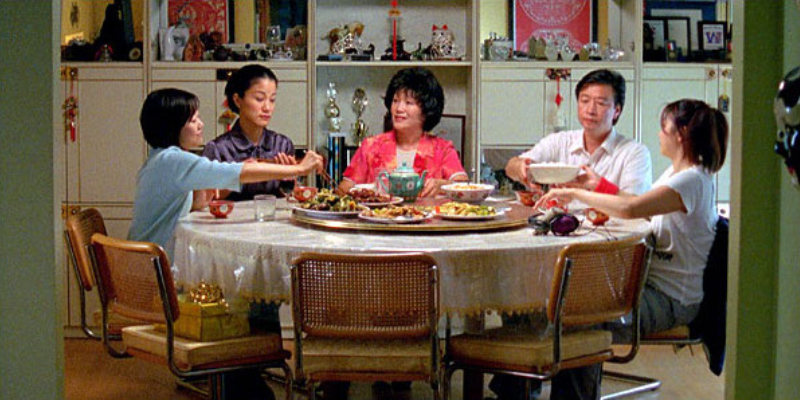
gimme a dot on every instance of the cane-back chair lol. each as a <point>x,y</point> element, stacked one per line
<point>707,329</point>
<point>135,280</point>
<point>78,231</point>
<point>366,318</point>
<point>592,283</point>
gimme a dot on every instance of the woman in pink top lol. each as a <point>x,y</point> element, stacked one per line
<point>415,101</point>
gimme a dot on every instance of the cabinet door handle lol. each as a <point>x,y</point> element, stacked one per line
<point>712,73</point>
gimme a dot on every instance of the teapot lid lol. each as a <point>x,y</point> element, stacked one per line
<point>404,170</point>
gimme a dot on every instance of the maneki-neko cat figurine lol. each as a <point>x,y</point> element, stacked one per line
<point>443,46</point>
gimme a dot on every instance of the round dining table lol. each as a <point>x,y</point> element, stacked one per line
<point>507,271</point>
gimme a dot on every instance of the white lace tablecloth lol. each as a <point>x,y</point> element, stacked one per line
<point>505,271</point>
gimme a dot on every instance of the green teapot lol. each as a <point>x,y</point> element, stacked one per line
<point>403,182</point>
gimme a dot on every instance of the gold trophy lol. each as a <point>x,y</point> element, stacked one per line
<point>360,128</point>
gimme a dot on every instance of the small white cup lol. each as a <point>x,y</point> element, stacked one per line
<point>264,205</point>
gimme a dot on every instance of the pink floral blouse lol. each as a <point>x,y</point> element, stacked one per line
<point>379,153</point>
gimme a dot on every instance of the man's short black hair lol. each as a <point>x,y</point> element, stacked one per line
<point>605,77</point>
<point>243,78</point>
<point>164,113</point>
<point>423,86</point>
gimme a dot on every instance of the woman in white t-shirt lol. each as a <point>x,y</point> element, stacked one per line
<point>682,211</point>
<point>682,218</point>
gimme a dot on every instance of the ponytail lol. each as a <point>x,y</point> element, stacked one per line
<point>704,131</point>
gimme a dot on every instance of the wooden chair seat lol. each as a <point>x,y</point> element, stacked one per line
<point>508,348</point>
<point>366,317</point>
<point>411,356</point>
<point>190,354</point>
<point>592,283</point>
<point>130,276</point>
<point>675,334</point>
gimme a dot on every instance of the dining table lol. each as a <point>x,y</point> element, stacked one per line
<point>502,270</point>
<point>507,269</point>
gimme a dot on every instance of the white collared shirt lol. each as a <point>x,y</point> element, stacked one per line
<point>622,161</point>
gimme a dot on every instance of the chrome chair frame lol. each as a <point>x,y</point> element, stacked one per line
<point>214,375</point>
<point>556,366</point>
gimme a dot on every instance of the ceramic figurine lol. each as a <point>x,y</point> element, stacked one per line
<point>345,39</point>
<point>443,46</point>
<point>194,49</point>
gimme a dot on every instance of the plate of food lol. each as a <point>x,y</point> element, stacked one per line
<point>468,192</point>
<point>469,212</point>
<point>327,205</point>
<point>395,215</point>
<point>370,198</point>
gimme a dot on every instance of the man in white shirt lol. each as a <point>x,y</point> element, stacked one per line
<point>612,162</point>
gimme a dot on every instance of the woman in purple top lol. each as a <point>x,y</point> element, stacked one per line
<point>251,92</point>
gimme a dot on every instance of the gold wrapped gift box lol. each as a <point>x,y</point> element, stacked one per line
<point>208,322</point>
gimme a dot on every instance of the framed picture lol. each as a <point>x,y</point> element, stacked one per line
<point>679,30</point>
<point>452,127</point>
<point>695,10</point>
<point>202,16</point>
<point>658,28</point>
<point>571,19</point>
<point>712,35</point>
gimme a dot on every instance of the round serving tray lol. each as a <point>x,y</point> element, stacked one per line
<point>516,216</point>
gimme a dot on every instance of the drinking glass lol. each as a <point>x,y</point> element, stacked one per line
<point>264,205</point>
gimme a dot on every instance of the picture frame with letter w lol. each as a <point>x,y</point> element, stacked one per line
<point>712,38</point>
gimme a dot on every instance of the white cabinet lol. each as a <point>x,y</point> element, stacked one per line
<point>207,81</point>
<point>512,106</point>
<point>665,83</point>
<point>108,148</point>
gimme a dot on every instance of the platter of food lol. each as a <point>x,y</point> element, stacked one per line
<point>327,205</point>
<point>512,216</point>
<point>368,197</point>
<point>396,215</point>
<point>467,212</point>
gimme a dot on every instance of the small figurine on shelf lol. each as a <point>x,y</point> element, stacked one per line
<point>296,41</point>
<point>360,128</point>
<point>345,39</point>
<point>443,46</point>
<point>194,49</point>
<point>104,54</point>
<point>402,54</point>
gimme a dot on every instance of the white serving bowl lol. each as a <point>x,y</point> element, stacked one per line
<point>552,173</point>
<point>468,192</point>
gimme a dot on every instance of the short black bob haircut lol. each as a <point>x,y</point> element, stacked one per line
<point>423,86</point>
<point>243,78</point>
<point>605,77</point>
<point>164,113</point>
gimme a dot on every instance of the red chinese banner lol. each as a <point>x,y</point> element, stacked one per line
<point>201,15</point>
<point>572,18</point>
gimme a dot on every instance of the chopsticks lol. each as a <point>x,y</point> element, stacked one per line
<point>323,174</point>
